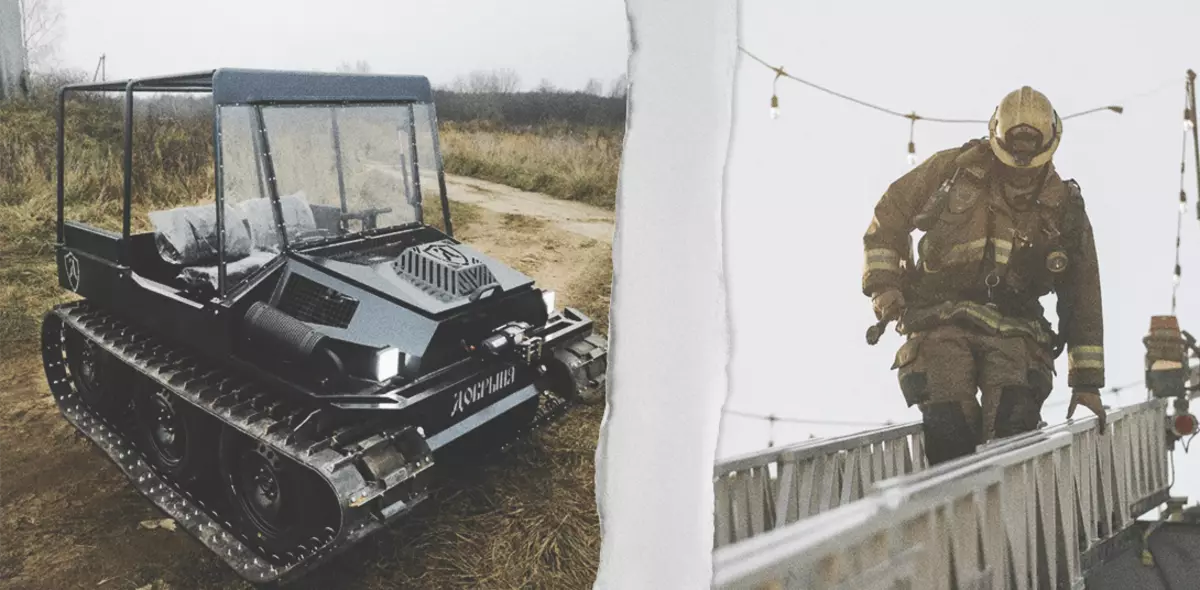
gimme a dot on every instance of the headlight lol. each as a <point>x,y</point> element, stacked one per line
<point>387,363</point>
<point>548,297</point>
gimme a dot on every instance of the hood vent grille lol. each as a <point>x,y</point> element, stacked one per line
<point>442,270</point>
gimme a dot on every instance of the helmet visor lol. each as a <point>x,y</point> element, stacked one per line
<point>1024,143</point>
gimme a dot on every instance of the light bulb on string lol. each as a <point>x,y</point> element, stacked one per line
<point>775,92</point>
<point>1189,120</point>
<point>1178,273</point>
<point>912,147</point>
<point>1182,202</point>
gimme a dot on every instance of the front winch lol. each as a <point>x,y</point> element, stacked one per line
<point>515,336</point>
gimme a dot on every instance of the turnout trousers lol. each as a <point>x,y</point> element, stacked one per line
<point>972,386</point>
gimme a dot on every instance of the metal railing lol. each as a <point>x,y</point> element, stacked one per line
<point>1026,513</point>
<point>765,490</point>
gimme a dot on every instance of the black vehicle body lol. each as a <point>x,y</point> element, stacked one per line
<point>349,362</point>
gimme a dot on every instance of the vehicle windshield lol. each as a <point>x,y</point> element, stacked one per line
<point>338,169</point>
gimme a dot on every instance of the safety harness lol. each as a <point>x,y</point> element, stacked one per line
<point>987,315</point>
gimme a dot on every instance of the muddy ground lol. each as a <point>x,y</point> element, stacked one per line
<point>70,520</point>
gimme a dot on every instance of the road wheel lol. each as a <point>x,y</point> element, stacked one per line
<point>276,501</point>
<point>176,437</point>
<point>101,380</point>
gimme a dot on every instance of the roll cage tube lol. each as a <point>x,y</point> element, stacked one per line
<point>441,169</point>
<point>240,87</point>
<point>415,198</point>
<point>182,83</point>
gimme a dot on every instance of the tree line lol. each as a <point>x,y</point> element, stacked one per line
<point>495,96</point>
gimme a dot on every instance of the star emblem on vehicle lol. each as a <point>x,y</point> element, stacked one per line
<point>447,254</point>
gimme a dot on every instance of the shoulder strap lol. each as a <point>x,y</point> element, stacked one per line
<point>963,160</point>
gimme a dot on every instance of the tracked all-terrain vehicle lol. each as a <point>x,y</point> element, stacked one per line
<point>281,366</point>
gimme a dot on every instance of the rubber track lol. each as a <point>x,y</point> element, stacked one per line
<point>236,402</point>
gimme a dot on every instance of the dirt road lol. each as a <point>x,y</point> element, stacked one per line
<point>571,216</point>
<point>69,520</point>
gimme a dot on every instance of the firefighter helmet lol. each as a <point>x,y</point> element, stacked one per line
<point>1025,129</point>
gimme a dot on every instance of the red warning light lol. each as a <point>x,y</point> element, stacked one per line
<point>1185,424</point>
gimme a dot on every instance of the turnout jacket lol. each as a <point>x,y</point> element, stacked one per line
<point>986,258</point>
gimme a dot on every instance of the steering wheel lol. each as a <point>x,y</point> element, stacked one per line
<point>368,217</point>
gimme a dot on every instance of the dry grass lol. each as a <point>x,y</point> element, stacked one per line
<point>523,223</point>
<point>462,215</point>
<point>594,290</point>
<point>571,163</point>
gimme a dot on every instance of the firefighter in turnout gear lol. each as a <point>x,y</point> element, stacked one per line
<point>1002,229</point>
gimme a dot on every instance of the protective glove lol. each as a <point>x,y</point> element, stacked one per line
<point>1090,399</point>
<point>888,304</point>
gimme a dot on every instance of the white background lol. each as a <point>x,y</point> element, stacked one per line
<point>801,188</point>
<point>668,336</point>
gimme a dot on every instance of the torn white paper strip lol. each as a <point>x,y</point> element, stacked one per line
<point>667,377</point>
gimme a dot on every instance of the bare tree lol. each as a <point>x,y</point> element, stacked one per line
<point>620,87</point>
<point>360,67</point>
<point>593,87</point>
<point>41,22</point>
<point>480,81</point>
<point>504,81</point>
<point>507,81</point>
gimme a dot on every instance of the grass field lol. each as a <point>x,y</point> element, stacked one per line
<point>566,162</point>
<point>528,521</point>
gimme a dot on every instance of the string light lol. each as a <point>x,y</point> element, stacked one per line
<point>773,418</point>
<point>912,147</point>
<point>774,92</point>
<point>913,117</point>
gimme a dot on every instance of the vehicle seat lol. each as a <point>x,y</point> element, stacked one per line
<point>260,219</point>
<point>205,277</point>
<point>187,237</point>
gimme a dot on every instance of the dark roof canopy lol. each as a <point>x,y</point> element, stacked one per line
<point>235,85</point>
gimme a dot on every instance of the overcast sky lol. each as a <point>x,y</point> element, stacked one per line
<point>801,188</point>
<point>565,41</point>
